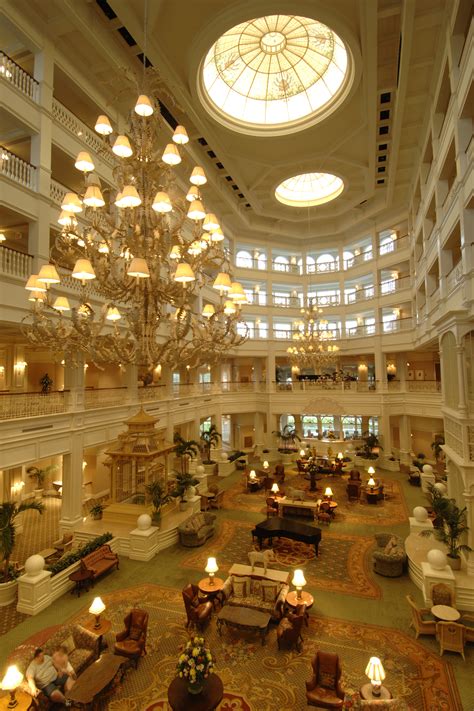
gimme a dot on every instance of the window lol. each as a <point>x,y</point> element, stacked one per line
<point>325,263</point>
<point>387,244</point>
<point>388,286</point>
<point>288,421</point>
<point>205,377</point>
<point>246,328</point>
<point>243,259</point>
<point>369,324</point>
<point>368,253</point>
<point>281,264</point>
<point>327,424</point>
<point>261,261</point>
<point>390,323</point>
<point>374,425</point>
<point>351,425</point>
<point>282,330</point>
<point>310,425</point>
<point>350,295</point>
<point>348,259</point>
<point>226,428</point>
<point>175,378</point>
<point>327,297</point>
<point>205,426</point>
<point>351,326</point>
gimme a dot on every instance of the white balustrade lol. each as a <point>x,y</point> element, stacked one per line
<point>21,80</point>
<point>423,386</point>
<point>17,169</point>
<point>454,278</point>
<point>102,397</point>
<point>57,191</point>
<point>74,125</point>
<point>14,405</point>
<point>13,263</point>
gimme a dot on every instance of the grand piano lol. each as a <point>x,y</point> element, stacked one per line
<point>278,527</point>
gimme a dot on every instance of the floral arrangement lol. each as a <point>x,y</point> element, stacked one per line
<point>195,663</point>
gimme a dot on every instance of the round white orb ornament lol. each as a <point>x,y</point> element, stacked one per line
<point>224,456</point>
<point>442,488</point>
<point>420,514</point>
<point>437,559</point>
<point>34,565</point>
<point>427,469</point>
<point>200,469</point>
<point>144,522</point>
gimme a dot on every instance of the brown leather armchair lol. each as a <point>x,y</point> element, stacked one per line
<point>131,642</point>
<point>198,608</point>
<point>289,629</point>
<point>353,490</point>
<point>280,473</point>
<point>324,689</point>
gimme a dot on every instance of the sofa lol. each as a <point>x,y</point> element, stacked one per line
<point>257,593</point>
<point>196,530</point>
<point>100,561</point>
<point>389,557</point>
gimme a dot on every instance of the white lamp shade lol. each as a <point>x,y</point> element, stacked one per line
<point>210,222</point>
<point>94,197</point>
<point>71,203</point>
<point>371,471</point>
<point>130,197</point>
<point>222,282</point>
<point>2,237</point>
<point>122,147</point>
<point>118,199</point>
<point>143,107</point>
<point>12,679</point>
<point>371,482</point>
<point>193,193</point>
<point>328,491</point>
<point>67,219</point>
<point>229,308</point>
<point>171,155</point>
<point>83,270</point>
<point>162,202</point>
<point>375,670</point>
<point>61,304</point>
<point>198,176</point>
<point>340,455</point>
<point>175,252</point>
<point>103,126</point>
<point>253,474</point>
<point>299,580</point>
<point>34,285</point>
<point>84,162</point>
<point>217,235</point>
<point>237,293</point>
<point>184,273</point>
<point>211,566</point>
<point>103,248</point>
<point>97,606</point>
<point>138,268</point>
<point>266,464</point>
<point>180,136</point>
<point>196,210</point>
<point>275,488</point>
<point>48,274</point>
<point>113,314</point>
<point>195,248</point>
<point>208,311</point>
<point>37,296</point>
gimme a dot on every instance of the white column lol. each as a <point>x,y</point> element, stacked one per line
<point>71,503</point>
<point>462,409</point>
<point>405,439</point>
<point>74,382</point>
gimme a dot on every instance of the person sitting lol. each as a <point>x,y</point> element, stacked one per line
<point>42,675</point>
<point>63,665</point>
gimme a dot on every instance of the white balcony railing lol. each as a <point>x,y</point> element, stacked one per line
<point>17,169</point>
<point>319,385</point>
<point>103,397</point>
<point>13,263</point>
<point>423,386</point>
<point>10,71</point>
<point>454,278</point>
<point>78,128</point>
<point>15,405</point>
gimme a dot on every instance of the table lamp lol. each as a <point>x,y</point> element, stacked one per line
<point>302,452</point>
<point>340,456</point>
<point>376,674</point>
<point>96,609</point>
<point>275,489</point>
<point>252,475</point>
<point>299,581</point>
<point>371,471</point>
<point>10,682</point>
<point>265,464</point>
<point>371,483</point>
<point>328,493</point>
<point>211,569</point>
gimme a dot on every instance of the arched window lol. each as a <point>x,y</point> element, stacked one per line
<point>367,251</point>
<point>325,263</point>
<point>387,244</point>
<point>262,261</point>
<point>281,264</point>
<point>243,259</point>
<point>348,259</point>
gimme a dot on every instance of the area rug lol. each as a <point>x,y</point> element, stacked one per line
<point>263,677</point>
<point>343,564</point>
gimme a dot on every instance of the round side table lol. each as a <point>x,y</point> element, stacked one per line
<point>211,590</point>
<point>306,599</point>
<point>367,695</point>
<point>24,701</point>
<point>446,613</point>
<point>82,580</point>
<point>180,699</point>
<point>104,627</point>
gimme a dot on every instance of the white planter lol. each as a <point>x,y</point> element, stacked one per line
<point>391,466</point>
<point>210,469</point>
<point>8,592</point>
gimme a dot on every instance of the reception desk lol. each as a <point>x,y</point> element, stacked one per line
<point>336,445</point>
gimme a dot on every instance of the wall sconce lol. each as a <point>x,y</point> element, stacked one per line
<point>158,370</point>
<point>86,365</point>
<point>20,366</point>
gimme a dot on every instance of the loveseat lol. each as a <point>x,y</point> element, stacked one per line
<point>389,558</point>
<point>99,561</point>
<point>256,593</point>
<point>197,529</point>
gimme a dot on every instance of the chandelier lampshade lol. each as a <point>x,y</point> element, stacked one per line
<point>102,126</point>
<point>198,176</point>
<point>130,197</point>
<point>196,210</point>
<point>113,314</point>
<point>71,203</point>
<point>222,282</point>
<point>61,304</point>
<point>143,107</point>
<point>162,202</point>
<point>180,136</point>
<point>184,273</point>
<point>122,147</point>
<point>208,311</point>
<point>138,268</point>
<point>237,293</point>
<point>229,307</point>
<point>48,274</point>
<point>67,219</point>
<point>175,252</point>
<point>84,162</point>
<point>34,285</point>
<point>93,197</point>
<point>210,223</point>
<point>171,155</point>
<point>83,270</point>
<point>217,235</point>
<point>193,193</point>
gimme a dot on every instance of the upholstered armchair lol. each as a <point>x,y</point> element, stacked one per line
<point>131,642</point>
<point>324,513</point>
<point>354,475</point>
<point>198,608</point>
<point>324,689</point>
<point>420,625</point>
<point>272,506</point>
<point>217,500</point>
<point>289,629</point>
<point>389,558</point>
<point>280,473</point>
<point>353,490</point>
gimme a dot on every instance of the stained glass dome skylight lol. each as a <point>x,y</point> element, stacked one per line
<point>309,189</point>
<point>273,71</point>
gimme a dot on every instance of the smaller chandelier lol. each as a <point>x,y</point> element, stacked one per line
<point>314,343</point>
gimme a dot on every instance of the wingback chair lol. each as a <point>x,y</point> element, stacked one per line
<point>131,642</point>
<point>324,690</point>
<point>289,629</point>
<point>353,490</point>
<point>198,608</point>
<point>420,625</point>
<point>354,475</point>
<point>280,473</point>
<point>442,594</point>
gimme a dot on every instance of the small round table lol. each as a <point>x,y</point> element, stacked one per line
<point>211,590</point>
<point>100,631</point>
<point>24,701</point>
<point>180,699</point>
<point>446,613</point>
<point>306,599</point>
<point>83,579</point>
<point>372,495</point>
<point>367,695</point>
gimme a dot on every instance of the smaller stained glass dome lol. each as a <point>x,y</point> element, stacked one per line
<point>309,189</point>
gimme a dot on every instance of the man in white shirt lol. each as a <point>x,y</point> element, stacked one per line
<point>42,675</point>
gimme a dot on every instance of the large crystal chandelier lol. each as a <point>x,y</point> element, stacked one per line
<point>133,261</point>
<point>314,342</point>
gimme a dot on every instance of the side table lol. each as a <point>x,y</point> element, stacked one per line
<point>306,599</point>
<point>180,699</point>
<point>104,627</point>
<point>366,693</point>
<point>211,590</point>
<point>82,580</point>
<point>24,701</point>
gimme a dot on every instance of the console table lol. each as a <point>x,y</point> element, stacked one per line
<point>306,508</point>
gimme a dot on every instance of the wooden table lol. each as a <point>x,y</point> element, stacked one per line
<point>306,599</point>
<point>366,693</point>
<point>103,628</point>
<point>206,497</point>
<point>95,679</point>
<point>211,590</point>
<point>24,700</point>
<point>180,699</point>
<point>446,613</point>
<point>372,494</point>
<point>244,618</point>
<point>83,580</point>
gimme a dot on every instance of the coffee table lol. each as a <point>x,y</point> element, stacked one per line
<point>210,697</point>
<point>445,613</point>
<point>245,619</point>
<point>367,695</point>
<point>95,679</point>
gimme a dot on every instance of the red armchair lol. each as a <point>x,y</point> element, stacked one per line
<point>324,689</point>
<point>198,609</point>
<point>131,642</point>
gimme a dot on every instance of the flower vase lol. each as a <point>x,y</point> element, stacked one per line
<point>196,687</point>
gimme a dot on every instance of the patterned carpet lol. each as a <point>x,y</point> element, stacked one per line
<point>415,674</point>
<point>343,564</point>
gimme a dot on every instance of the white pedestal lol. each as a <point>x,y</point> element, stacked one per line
<point>201,488</point>
<point>143,544</point>
<point>193,504</point>
<point>34,593</point>
<point>417,526</point>
<point>431,576</point>
<point>425,480</point>
<point>225,468</point>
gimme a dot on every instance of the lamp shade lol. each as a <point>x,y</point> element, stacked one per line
<point>48,274</point>
<point>122,147</point>
<point>375,670</point>
<point>103,248</point>
<point>175,252</point>
<point>371,482</point>
<point>237,293</point>
<point>71,203</point>
<point>222,282</point>
<point>371,471</point>
<point>67,219</point>
<point>83,270</point>
<point>84,162</point>
<point>229,307</point>
<point>340,455</point>
<point>302,452</point>
<point>171,155</point>
<point>37,296</point>
<point>253,474</point>
<point>328,491</point>
<point>184,273</point>
<point>196,210</point>
<point>266,464</point>
<point>12,679</point>
<point>97,606</point>
<point>299,580</point>
<point>211,566</point>
<point>113,314</point>
<point>130,197</point>
<point>103,126</point>
<point>61,304</point>
<point>34,285</point>
<point>138,268</point>
<point>217,235</point>
<point>93,197</point>
<point>193,193</point>
<point>275,488</point>
<point>198,176</point>
<point>210,222</point>
<point>143,107</point>
<point>162,202</point>
<point>195,248</point>
<point>208,311</point>
<point>180,136</point>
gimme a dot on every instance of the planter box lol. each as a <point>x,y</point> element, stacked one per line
<point>210,469</point>
<point>225,468</point>
<point>8,592</point>
<point>390,466</point>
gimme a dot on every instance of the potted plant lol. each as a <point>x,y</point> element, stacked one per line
<point>158,496</point>
<point>288,439</point>
<point>9,510</point>
<point>40,475</point>
<point>437,447</point>
<point>419,461</point>
<point>210,438</point>
<point>46,384</point>
<point>195,663</point>
<point>371,447</point>
<point>96,511</point>
<point>453,527</point>
<point>185,449</point>
<point>437,504</point>
<point>184,488</point>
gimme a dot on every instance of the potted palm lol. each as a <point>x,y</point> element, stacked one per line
<point>288,439</point>
<point>40,475</point>
<point>453,527</point>
<point>96,511</point>
<point>210,438</point>
<point>185,449</point>
<point>184,488</point>
<point>9,510</point>
<point>158,496</point>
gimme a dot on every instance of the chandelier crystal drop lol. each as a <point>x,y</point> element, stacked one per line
<point>315,344</point>
<point>128,269</point>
